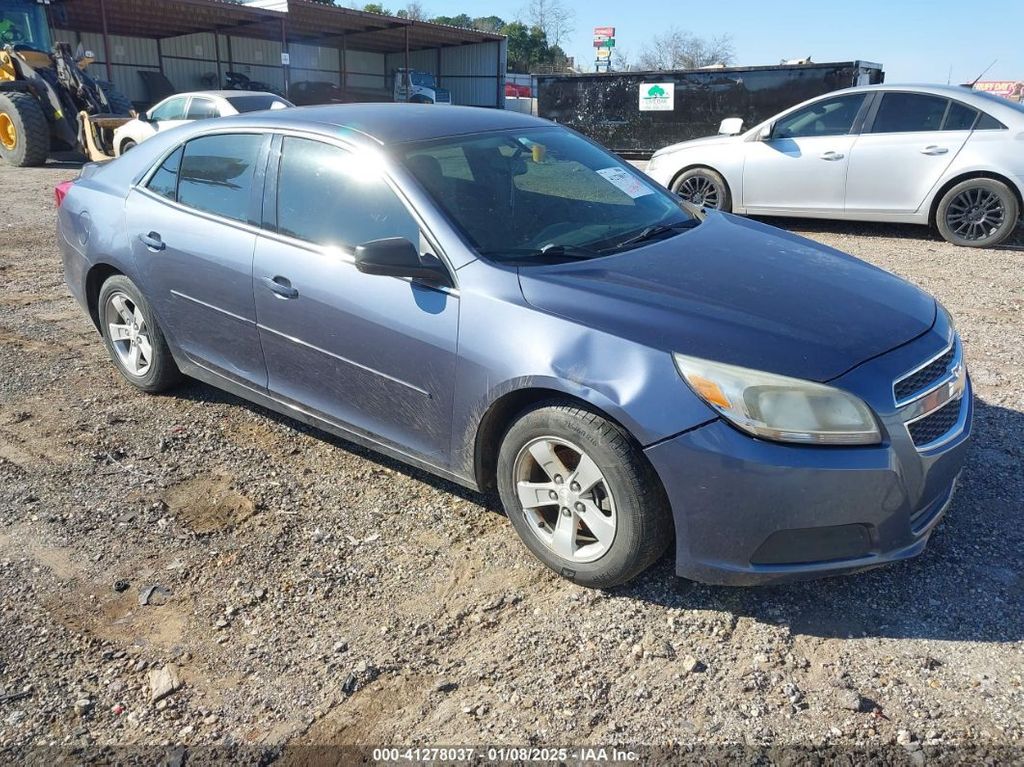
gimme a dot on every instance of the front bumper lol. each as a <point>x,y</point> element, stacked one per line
<point>749,511</point>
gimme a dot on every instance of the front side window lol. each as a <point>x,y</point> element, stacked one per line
<point>540,193</point>
<point>831,117</point>
<point>331,197</point>
<point>201,109</point>
<point>909,113</point>
<point>172,109</point>
<point>216,174</point>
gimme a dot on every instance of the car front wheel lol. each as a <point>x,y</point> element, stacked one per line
<point>703,187</point>
<point>582,496</point>
<point>977,213</point>
<point>133,338</point>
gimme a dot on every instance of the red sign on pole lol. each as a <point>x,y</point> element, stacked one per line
<point>604,31</point>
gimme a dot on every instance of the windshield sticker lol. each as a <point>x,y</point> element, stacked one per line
<point>626,182</point>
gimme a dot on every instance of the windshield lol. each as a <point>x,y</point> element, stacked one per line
<point>423,79</point>
<point>541,193</point>
<point>256,103</point>
<point>23,23</point>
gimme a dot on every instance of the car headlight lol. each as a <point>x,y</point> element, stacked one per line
<point>778,407</point>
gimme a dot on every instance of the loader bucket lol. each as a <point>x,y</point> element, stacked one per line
<point>95,132</point>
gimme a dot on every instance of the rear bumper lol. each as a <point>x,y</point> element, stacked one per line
<point>749,511</point>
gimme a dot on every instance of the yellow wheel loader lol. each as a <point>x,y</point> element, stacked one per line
<point>47,99</point>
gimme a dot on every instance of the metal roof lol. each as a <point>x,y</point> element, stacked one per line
<point>305,22</point>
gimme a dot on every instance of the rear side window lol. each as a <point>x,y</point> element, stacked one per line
<point>216,174</point>
<point>959,117</point>
<point>909,112</point>
<point>165,180</point>
<point>202,109</point>
<point>326,196</point>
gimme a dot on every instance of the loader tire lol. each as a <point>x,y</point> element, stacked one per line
<point>24,132</point>
<point>119,103</point>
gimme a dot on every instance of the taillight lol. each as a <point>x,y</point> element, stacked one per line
<point>61,191</point>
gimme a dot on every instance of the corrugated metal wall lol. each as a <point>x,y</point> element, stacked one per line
<point>191,63</point>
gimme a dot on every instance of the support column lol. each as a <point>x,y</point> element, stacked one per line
<point>106,41</point>
<point>344,65</point>
<point>286,68</point>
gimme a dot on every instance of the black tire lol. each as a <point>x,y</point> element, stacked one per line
<point>127,145</point>
<point>162,373</point>
<point>703,187</point>
<point>29,145</point>
<point>977,213</point>
<point>642,520</point>
<point>119,103</point>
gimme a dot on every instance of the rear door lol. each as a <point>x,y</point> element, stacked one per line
<point>193,234</point>
<point>801,166</point>
<point>907,144</point>
<point>374,353</point>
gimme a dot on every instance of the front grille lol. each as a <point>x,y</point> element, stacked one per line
<point>935,425</point>
<point>921,379</point>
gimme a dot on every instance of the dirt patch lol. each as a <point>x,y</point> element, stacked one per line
<point>209,504</point>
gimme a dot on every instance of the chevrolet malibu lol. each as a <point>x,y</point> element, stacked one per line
<point>500,302</point>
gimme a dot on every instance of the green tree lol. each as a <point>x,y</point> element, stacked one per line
<point>376,8</point>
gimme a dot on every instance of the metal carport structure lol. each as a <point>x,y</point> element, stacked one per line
<point>189,40</point>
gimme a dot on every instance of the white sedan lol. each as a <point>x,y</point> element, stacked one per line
<point>942,155</point>
<point>182,108</point>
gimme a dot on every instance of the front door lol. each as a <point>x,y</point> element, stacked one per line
<point>904,151</point>
<point>801,166</point>
<point>193,244</point>
<point>373,353</point>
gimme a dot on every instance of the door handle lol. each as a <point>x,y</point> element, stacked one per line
<point>933,149</point>
<point>152,241</point>
<point>833,156</point>
<point>281,286</point>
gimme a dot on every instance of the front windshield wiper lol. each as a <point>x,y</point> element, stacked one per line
<point>657,230</point>
<point>548,251</point>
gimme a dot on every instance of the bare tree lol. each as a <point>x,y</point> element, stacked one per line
<point>416,12</point>
<point>552,16</point>
<point>678,49</point>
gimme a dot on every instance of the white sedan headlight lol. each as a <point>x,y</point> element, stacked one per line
<point>778,407</point>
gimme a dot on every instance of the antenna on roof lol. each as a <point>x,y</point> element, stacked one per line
<point>975,80</point>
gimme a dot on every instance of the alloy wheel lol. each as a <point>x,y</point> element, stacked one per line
<point>975,214</point>
<point>700,190</point>
<point>566,499</point>
<point>128,333</point>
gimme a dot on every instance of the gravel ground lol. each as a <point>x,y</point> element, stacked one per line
<point>310,592</point>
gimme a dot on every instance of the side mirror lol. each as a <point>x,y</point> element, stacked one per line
<point>765,134</point>
<point>731,126</point>
<point>144,116</point>
<point>397,257</point>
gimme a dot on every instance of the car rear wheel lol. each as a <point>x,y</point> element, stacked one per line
<point>581,495</point>
<point>977,213</point>
<point>703,187</point>
<point>133,338</point>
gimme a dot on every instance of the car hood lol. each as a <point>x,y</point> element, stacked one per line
<point>700,142</point>
<point>741,292</point>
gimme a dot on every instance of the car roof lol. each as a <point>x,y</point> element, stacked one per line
<point>390,123</point>
<point>963,93</point>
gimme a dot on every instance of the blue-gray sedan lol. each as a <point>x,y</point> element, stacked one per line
<point>503,303</point>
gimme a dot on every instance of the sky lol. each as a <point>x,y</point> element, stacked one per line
<point>914,41</point>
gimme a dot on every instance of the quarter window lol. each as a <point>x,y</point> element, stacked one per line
<point>164,180</point>
<point>328,196</point>
<point>172,109</point>
<point>832,117</point>
<point>216,174</point>
<point>909,112</point>
<point>988,122</point>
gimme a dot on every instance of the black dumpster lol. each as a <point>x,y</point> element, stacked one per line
<point>607,107</point>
